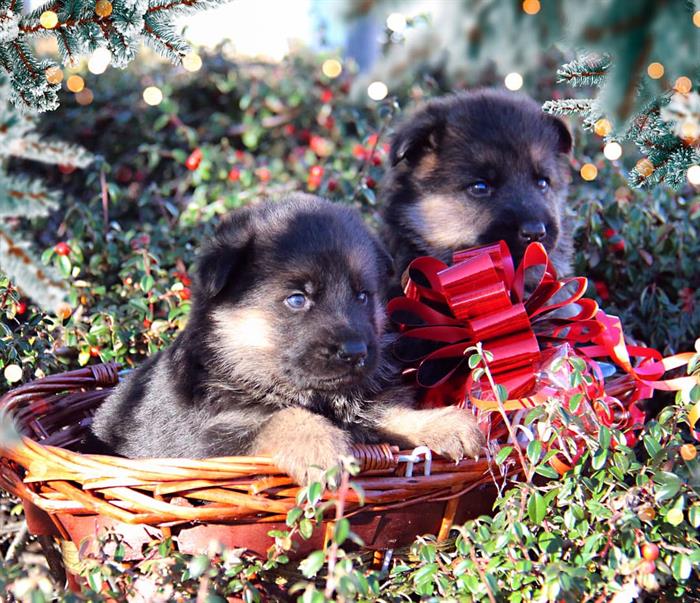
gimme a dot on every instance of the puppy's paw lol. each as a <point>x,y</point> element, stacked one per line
<point>303,444</point>
<point>450,431</point>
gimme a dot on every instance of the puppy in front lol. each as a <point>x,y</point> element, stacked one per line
<point>283,353</point>
<point>475,167</point>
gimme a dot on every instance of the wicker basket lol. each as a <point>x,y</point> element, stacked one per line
<point>234,500</point>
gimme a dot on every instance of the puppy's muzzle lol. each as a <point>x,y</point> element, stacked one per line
<point>353,352</point>
<point>532,232</point>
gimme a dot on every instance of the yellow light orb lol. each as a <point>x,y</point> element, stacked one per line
<point>655,70</point>
<point>75,83</point>
<point>690,130</point>
<point>644,167</point>
<point>153,96</point>
<point>694,175</point>
<point>696,18</point>
<point>13,373</point>
<point>331,68</point>
<point>103,8</point>
<point>54,75</point>
<point>602,127</point>
<point>192,62</point>
<point>612,151</point>
<point>531,7</point>
<point>84,97</point>
<point>683,85</point>
<point>99,61</point>
<point>513,81</point>
<point>377,91</point>
<point>589,172</point>
<point>48,19</point>
<point>396,22</point>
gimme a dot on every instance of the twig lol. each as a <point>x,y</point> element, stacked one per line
<point>17,542</point>
<point>105,199</point>
<point>333,550</point>
<point>481,575</point>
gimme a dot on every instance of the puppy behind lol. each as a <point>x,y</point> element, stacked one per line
<point>282,353</point>
<point>473,168</point>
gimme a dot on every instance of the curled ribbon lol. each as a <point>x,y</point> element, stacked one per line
<point>481,297</point>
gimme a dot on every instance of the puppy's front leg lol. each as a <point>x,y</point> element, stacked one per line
<point>302,443</point>
<point>450,431</point>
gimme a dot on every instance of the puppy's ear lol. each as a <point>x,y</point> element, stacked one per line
<point>565,140</point>
<point>419,134</point>
<point>226,252</point>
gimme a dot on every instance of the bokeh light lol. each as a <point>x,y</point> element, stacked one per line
<point>192,62</point>
<point>513,81</point>
<point>589,172</point>
<point>99,61</point>
<point>612,151</point>
<point>48,19</point>
<point>655,70</point>
<point>75,83</point>
<point>602,127</point>
<point>531,7</point>
<point>153,96</point>
<point>694,175</point>
<point>54,75</point>
<point>396,22</point>
<point>84,97</point>
<point>377,91</point>
<point>331,68</point>
<point>683,85</point>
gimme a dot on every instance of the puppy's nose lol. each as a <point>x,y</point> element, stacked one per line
<point>531,232</point>
<point>353,351</point>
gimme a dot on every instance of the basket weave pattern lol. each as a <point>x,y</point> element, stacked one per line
<point>46,470</point>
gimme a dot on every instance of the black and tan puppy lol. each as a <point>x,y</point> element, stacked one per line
<point>282,353</point>
<point>473,168</point>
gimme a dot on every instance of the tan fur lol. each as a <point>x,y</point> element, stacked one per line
<point>427,164</point>
<point>450,431</point>
<point>444,221</point>
<point>302,443</point>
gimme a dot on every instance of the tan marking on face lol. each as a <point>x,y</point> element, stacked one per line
<point>446,222</point>
<point>240,329</point>
<point>540,153</point>
<point>427,164</point>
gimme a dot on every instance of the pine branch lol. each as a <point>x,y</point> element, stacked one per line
<point>569,106</point>
<point>21,197</point>
<point>39,282</point>
<point>589,70</point>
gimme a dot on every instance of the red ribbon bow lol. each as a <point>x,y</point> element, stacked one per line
<point>482,298</point>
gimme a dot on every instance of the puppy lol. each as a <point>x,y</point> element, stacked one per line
<point>473,168</point>
<point>282,353</point>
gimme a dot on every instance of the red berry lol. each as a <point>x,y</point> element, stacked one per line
<point>329,122</point>
<point>316,171</point>
<point>602,290</point>
<point>359,152</point>
<point>240,155</point>
<point>124,174</point>
<point>234,174</point>
<point>185,280</point>
<point>370,182</point>
<point>345,87</point>
<point>376,160</point>
<point>193,161</point>
<point>609,232</point>
<point>289,129</point>
<point>62,248</point>
<point>332,185</point>
<point>618,245</point>
<point>650,551</point>
<point>21,308</point>
<point>66,168</point>
<point>372,140</point>
<point>263,174</point>
<point>648,567</point>
<point>185,293</point>
<point>146,323</point>
<point>326,96</point>
<point>94,351</point>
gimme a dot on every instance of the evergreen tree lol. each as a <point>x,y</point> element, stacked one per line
<point>82,26</point>
<point>22,197</point>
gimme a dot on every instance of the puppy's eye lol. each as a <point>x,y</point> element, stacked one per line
<point>296,301</point>
<point>479,188</point>
<point>363,297</point>
<point>543,184</point>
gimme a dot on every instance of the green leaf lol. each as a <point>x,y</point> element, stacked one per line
<point>147,283</point>
<point>474,361</point>
<point>315,491</point>
<point>314,562</point>
<point>306,528</point>
<point>198,565</point>
<point>534,451</point>
<point>503,454</point>
<point>681,567</point>
<point>694,515</point>
<point>64,265</point>
<point>95,580</point>
<point>342,530</point>
<point>547,471</point>
<point>536,508</point>
<point>667,485</point>
<point>293,515</point>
